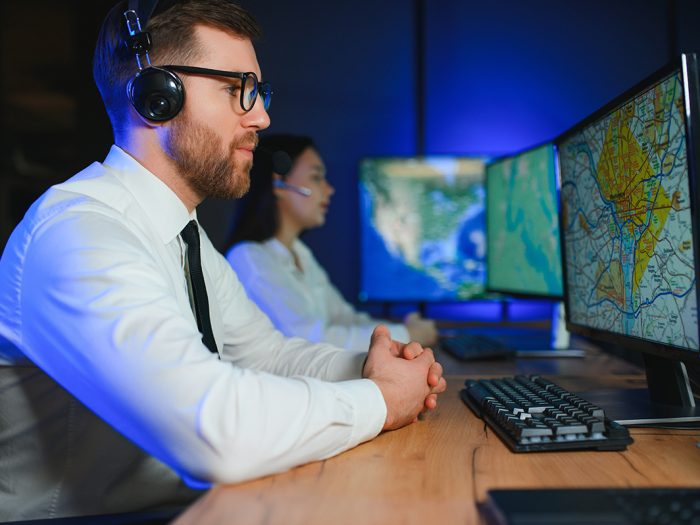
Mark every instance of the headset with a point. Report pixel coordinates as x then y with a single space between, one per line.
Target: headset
281 164
156 94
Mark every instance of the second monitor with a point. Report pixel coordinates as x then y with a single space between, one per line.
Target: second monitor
522 225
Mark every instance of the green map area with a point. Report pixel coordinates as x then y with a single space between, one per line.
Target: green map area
626 207
523 252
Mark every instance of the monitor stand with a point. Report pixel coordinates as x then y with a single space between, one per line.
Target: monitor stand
668 400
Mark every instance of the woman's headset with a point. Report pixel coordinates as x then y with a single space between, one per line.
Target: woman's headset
155 93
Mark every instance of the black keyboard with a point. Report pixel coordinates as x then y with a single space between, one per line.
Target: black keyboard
470 347
531 413
616 506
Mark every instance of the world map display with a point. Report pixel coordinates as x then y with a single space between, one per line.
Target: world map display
422 228
628 238
522 224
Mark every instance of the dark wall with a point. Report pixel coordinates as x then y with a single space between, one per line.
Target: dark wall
52 122
520 73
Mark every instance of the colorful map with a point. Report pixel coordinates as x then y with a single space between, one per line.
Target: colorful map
422 228
524 254
626 210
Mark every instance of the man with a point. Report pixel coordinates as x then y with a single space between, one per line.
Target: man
113 391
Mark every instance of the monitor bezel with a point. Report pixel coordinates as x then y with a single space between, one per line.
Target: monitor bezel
689 67
519 294
418 300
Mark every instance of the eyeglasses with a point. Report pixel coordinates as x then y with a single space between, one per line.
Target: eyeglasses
251 88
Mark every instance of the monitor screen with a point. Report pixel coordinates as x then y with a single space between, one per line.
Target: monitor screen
627 219
523 254
421 228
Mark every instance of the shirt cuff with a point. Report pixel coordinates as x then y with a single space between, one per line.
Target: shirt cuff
348 365
369 409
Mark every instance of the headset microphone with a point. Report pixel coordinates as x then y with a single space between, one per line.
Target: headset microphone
301 190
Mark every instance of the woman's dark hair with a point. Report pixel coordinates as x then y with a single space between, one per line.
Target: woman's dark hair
256 217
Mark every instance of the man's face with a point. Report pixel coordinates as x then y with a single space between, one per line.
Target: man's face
212 141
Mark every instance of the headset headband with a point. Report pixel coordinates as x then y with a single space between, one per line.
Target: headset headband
144 9
155 93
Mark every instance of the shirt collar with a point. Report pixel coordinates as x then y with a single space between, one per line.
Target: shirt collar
162 206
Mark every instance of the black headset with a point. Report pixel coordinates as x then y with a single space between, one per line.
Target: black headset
155 93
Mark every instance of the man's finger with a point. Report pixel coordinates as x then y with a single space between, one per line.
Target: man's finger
434 374
440 387
431 402
425 359
396 348
411 350
427 355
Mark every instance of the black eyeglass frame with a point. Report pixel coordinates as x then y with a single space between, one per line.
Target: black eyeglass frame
263 89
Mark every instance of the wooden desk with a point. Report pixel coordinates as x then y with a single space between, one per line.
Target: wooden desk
436 470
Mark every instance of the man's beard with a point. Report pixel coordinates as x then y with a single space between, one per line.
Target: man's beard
202 161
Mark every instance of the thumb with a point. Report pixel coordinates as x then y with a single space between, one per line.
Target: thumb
380 331
381 338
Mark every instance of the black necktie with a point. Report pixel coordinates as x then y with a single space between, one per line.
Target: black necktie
190 234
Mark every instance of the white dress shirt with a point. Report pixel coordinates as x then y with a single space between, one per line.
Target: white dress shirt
302 303
95 319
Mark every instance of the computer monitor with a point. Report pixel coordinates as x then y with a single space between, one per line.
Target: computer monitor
629 224
523 256
421 228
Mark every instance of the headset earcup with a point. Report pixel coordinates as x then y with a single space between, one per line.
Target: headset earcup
156 94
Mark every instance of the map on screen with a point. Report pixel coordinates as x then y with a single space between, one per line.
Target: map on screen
422 228
522 224
628 237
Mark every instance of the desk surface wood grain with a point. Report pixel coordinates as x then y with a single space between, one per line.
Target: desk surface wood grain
438 469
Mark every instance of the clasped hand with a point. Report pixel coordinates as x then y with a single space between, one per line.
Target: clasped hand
407 375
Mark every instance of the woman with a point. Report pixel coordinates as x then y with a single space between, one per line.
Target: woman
279 271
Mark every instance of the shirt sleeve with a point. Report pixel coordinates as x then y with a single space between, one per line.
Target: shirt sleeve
99 316
270 286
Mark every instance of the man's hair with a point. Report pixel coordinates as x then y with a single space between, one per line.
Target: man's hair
172 33
257 218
